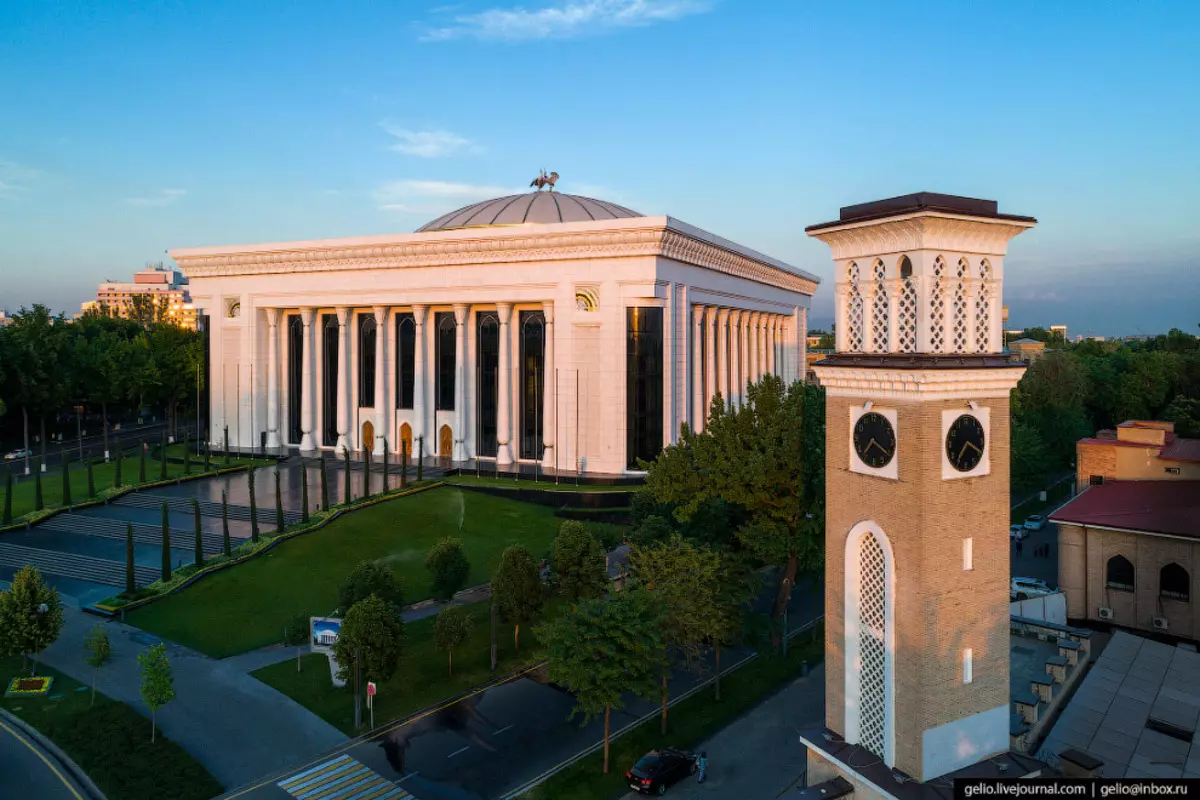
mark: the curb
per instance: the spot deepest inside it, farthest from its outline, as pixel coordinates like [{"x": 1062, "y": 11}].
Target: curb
[{"x": 78, "y": 775}]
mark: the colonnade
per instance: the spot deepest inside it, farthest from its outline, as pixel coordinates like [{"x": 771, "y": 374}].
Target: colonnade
[{"x": 731, "y": 347}]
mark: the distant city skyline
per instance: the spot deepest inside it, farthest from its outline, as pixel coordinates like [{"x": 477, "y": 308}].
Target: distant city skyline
[{"x": 124, "y": 134}]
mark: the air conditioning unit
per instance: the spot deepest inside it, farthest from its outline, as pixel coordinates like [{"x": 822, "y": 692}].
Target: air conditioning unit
[
  {"x": 1160, "y": 623},
  {"x": 1105, "y": 613}
]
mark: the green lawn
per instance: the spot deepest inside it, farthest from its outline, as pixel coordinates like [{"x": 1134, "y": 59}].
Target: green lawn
[
  {"x": 690, "y": 723},
  {"x": 110, "y": 742},
  {"x": 566, "y": 485},
  {"x": 302, "y": 575},
  {"x": 422, "y": 680}
]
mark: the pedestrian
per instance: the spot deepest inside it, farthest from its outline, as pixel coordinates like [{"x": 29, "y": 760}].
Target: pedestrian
[{"x": 701, "y": 766}]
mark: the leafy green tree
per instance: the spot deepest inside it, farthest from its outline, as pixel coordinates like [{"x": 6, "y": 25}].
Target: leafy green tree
[
  {"x": 682, "y": 579},
  {"x": 652, "y": 529},
  {"x": 295, "y": 634},
  {"x": 1143, "y": 391},
  {"x": 225, "y": 523},
  {"x": 1029, "y": 456},
  {"x": 130, "y": 574},
  {"x": 517, "y": 589},
  {"x": 1185, "y": 413},
  {"x": 303, "y": 491},
  {"x": 374, "y": 630},
  {"x": 199, "y": 534},
  {"x": 166, "y": 545},
  {"x": 324, "y": 484},
  {"x": 253, "y": 505},
  {"x": 602, "y": 650},
  {"x": 37, "y": 361},
  {"x": 158, "y": 682},
  {"x": 278, "y": 505},
  {"x": 370, "y": 578},
  {"x": 738, "y": 583},
  {"x": 31, "y": 616},
  {"x": 8, "y": 495},
  {"x": 766, "y": 457},
  {"x": 450, "y": 629},
  {"x": 580, "y": 567},
  {"x": 448, "y": 562},
  {"x": 99, "y": 653}
]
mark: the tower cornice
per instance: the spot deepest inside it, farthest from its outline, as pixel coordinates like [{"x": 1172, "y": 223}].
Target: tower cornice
[
  {"x": 924, "y": 230},
  {"x": 918, "y": 383}
]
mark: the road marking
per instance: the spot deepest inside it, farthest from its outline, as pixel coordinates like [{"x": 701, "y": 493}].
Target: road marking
[
  {"x": 45, "y": 760},
  {"x": 406, "y": 777},
  {"x": 341, "y": 778},
  {"x": 456, "y": 752},
  {"x": 502, "y": 730}
]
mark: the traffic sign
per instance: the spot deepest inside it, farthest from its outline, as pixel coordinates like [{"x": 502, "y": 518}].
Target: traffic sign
[{"x": 370, "y": 688}]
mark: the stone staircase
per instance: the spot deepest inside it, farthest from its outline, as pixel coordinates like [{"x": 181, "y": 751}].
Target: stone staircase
[
  {"x": 105, "y": 528},
  {"x": 69, "y": 565},
  {"x": 208, "y": 508}
]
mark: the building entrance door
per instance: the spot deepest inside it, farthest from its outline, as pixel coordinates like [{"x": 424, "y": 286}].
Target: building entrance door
[
  {"x": 368, "y": 436},
  {"x": 406, "y": 440},
  {"x": 445, "y": 443}
]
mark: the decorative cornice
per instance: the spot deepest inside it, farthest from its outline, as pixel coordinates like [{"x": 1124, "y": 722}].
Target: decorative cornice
[
  {"x": 432, "y": 251},
  {"x": 917, "y": 385},
  {"x": 925, "y": 231}
]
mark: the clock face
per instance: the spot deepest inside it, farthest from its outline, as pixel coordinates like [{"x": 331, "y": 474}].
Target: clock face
[
  {"x": 874, "y": 440},
  {"x": 964, "y": 443}
]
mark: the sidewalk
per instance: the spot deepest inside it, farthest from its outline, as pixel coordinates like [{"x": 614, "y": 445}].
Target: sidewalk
[{"x": 758, "y": 756}]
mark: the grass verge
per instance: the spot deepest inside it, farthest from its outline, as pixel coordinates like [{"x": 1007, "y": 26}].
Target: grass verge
[
  {"x": 690, "y": 722},
  {"x": 423, "y": 679},
  {"x": 544, "y": 485},
  {"x": 110, "y": 741}
]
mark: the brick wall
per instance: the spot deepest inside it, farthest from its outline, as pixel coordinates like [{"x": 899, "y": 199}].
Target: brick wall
[
  {"x": 940, "y": 609},
  {"x": 1094, "y": 459}
]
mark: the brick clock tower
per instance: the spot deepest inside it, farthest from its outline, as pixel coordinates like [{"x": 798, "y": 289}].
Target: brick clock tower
[{"x": 916, "y": 538}]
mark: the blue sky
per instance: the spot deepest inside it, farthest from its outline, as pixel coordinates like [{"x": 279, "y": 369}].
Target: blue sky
[{"x": 124, "y": 133}]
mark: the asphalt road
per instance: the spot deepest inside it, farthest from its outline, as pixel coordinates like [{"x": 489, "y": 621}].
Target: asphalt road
[
  {"x": 26, "y": 770},
  {"x": 491, "y": 743},
  {"x": 93, "y": 445}
]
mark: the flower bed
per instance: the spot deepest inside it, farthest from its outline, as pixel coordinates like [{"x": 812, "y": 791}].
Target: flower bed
[{"x": 27, "y": 687}]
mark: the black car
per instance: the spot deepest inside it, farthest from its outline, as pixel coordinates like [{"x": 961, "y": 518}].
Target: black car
[{"x": 658, "y": 769}]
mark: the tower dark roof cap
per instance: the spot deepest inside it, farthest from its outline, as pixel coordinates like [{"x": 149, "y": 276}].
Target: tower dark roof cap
[{"x": 920, "y": 201}]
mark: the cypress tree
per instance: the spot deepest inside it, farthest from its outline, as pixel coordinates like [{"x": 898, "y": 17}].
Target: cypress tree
[
  {"x": 38, "y": 505},
  {"x": 166, "y": 544},
  {"x": 187, "y": 454},
  {"x": 278, "y": 505},
  {"x": 225, "y": 522},
  {"x": 142, "y": 463},
  {"x": 403, "y": 464},
  {"x": 162, "y": 457},
  {"x": 91, "y": 480},
  {"x": 324, "y": 484},
  {"x": 253, "y": 506},
  {"x": 130, "y": 576},
  {"x": 384, "y": 490},
  {"x": 66, "y": 473},
  {"x": 117, "y": 471},
  {"x": 226, "y": 445},
  {"x": 346, "y": 494},
  {"x": 420, "y": 458},
  {"x": 8, "y": 490},
  {"x": 367, "y": 475},
  {"x": 199, "y": 538},
  {"x": 304, "y": 491}
]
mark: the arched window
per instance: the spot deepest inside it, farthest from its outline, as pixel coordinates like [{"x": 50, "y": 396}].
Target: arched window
[
  {"x": 406, "y": 349},
  {"x": 487, "y": 383},
  {"x": 444, "y": 357},
  {"x": 366, "y": 361},
  {"x": 295, "y": 377},
  {"x": 906, "y": 322},
  {"x": 531, "y": 374},
  {"x": 905, "y": 267},
  {"x": 854, "y": 311},
  {"x": 1174, "y": 582},
  {"x": 959, "y": 307},
  {"x": 869, "y": 642},
  {"x": 879, "y": 310},
  {"x": 937, "y": 308},
  {"x": 330, "y": 342},
  {"x": 1119, "y": 574},
  {"x": 983, "y": 309}
]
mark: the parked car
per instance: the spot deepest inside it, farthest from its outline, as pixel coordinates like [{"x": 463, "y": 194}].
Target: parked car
[
  {"x": 658, "y": 769},
  {"x": 17, "y": 454},
  {"x": 1035, "y": 522},
  {"x": 1025, "y": 588},
  {"x": 1017, "y": 532}
]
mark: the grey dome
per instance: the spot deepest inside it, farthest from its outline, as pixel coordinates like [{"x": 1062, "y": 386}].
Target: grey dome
[{"x": 533, "y": 207}]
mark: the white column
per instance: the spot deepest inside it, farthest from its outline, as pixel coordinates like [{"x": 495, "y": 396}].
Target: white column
[
  {"x": 923, "y": 284},
  {"x": 549, "y": 412},
  {"x": 343, "y": 392},
  {"x": 762, "y": 345},
  {"x": 771, "y": 344},
  {"x": 737, "y": 386},
  {"x": 382, "y": 314},
  {"x": 461, "y": 311},
  {"x": 841, "y": 314},
  {"x": 504, "y": 408},
  {"x": 802, "y": 341},
  {"x": 710, "y": 359},
  {"x": 723, "y": 354},
  {"x": 796, "y": 333},
  {"x": 698, "y": 407},
  {"x": 894, "y": 287},
  {"x": 996, "y": 327},
  {"x": 743, "y": 358},
  {"x": 970, "y": 288},
  {"x": 419, "y": 391},
  {"x": 867, "y": 289},
  {"x": 308, "y": 388},
  {"x": 272, "y": 379}
]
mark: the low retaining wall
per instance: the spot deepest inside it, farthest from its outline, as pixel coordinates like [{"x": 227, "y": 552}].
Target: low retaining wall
[{"x": 556, "y": 498}]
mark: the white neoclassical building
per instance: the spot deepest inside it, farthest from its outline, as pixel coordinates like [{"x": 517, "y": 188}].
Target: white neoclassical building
[{"x": 537, "y": 328}]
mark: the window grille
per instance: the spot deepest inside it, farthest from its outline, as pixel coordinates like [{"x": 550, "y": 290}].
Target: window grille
[{"x": 872, "y": 619}]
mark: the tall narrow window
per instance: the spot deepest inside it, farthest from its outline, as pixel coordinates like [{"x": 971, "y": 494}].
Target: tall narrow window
[
  {"x": 968, "y": 554},
  {"x": 330, "y": 340},
  {"x": 880, "y": 312},
  {"x": 983, "y": 308},
  {"x": 1174, "y": 582},
  {"x": 937, "y": 307},
  {"x": 366, "y": 360},
  {"x": 447, "y": 330},
  {"x": 295, "y": 377},
  {"x": 854, "y": 311},
  {"x": 959, "y": 307},
  {"x": 406, "y": 348},
  {"x": 968, "y": 665},
  {"x": 1119, "y": 574},
  {"x": 906, "y": 314},
  {"x": 869, "y": 607},
  {"x": 487, "y": 382},
  {"x": 533, "y": 363},
  {"x": 643, "y": 385}
]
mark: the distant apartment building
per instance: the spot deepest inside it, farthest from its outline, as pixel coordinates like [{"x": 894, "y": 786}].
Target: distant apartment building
[
  {"x": 1129, "y": 543},
  {"x": 1027, "y": 350},
  {"x": 5, "y": 319},
  {"x": 156, "y": 291},
  {"x": 1059, "y": 330}
]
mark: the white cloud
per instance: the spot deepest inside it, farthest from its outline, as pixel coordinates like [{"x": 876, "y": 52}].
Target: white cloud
[
  {"x": 434, "y": 197},
  {"x": 428, "y": 144},
  {"x": 565, "y": 20},
  {"x": 15, "y": 178},
  {"x": 163, "y": 197}
]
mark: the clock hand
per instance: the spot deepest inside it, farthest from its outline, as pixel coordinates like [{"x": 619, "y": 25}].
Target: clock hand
[
  {"x": 877, "y": 444},
  {"x": 973, "y": 447}
]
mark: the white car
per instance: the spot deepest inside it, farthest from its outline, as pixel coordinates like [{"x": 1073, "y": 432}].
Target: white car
[
  {"x": 17, "y": 454},
  {"x": 1035, "y": 522},
  {"x": 1025, "y": 588},
  {"x": 1017, "y": 532}
]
